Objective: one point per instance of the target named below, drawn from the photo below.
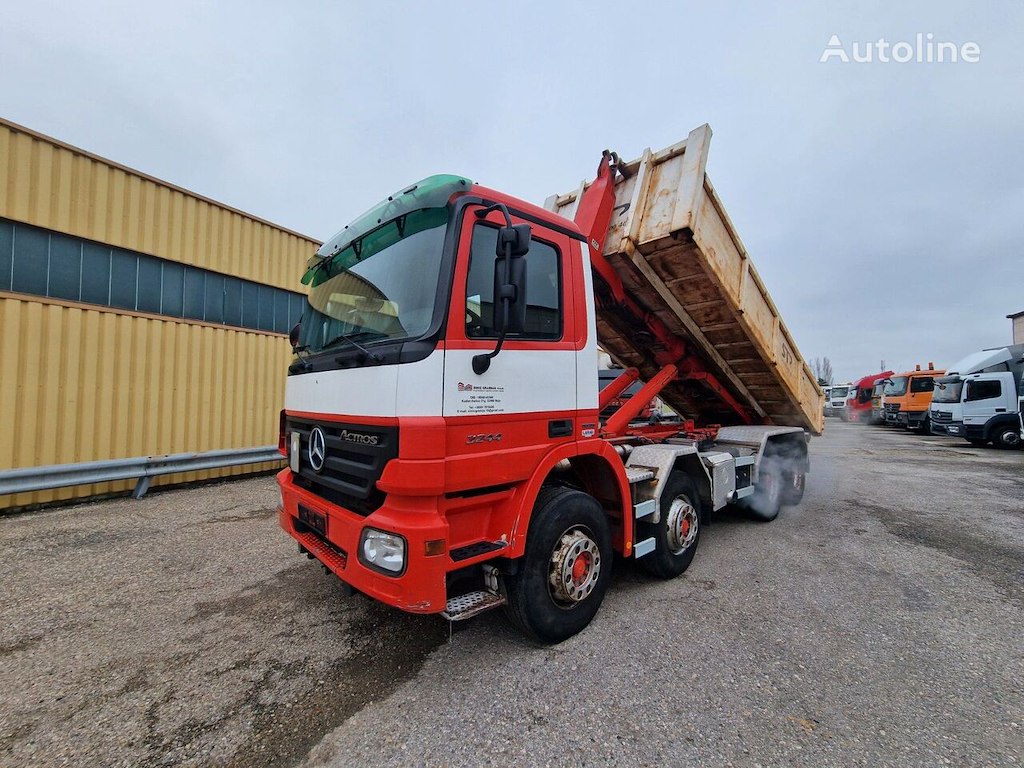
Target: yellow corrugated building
(136, 318)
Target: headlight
(295, 452)
(382, 551)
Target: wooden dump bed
(678, 255)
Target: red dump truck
(446, 452)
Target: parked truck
(442, 414)
(979, 398)
(908, 397)
(859, 402)
(836, 403)
(878, 401)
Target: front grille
(354, 460)
(892, 407)
(942, 417)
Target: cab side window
(983, 390)
(543, 288)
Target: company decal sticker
(588, 430)
(480, 398)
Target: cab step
(470, 604)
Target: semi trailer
(442, 422)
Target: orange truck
(908, 397)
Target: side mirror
(516, 235)
(293, 335)
(509, 307)
(514, 290)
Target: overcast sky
(883, 203)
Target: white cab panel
(409, 389)
(518, 381)
(586, 360)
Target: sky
(882, 202)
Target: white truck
(979, 398)
(835, 404)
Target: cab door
(983, 399)
(535, 372)
(527, 398)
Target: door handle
(560, 428)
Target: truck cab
(859, 401)
(836, 402)
(979, 398)
(878, 401)
(908, 398)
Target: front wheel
(564, 573)
(677, 533)
(1007, 438)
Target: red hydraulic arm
(618, 421)
(617, 387)
(593, 215)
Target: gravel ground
(879, 623)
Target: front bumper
(420, 588)
(911, 418)
(953, 428)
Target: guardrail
(142, 468)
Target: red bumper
(421, 586)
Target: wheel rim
(1010, 438)
(574, 568)
(682, 522)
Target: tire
(793, 485)
(677, 534)
(926, 427)
(552, 598)
(765, 502)
(1007, 438)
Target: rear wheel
(677, 533)
(565, 571)
(793, 484)
(766, 500)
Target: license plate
(314, 520)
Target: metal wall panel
(80, 383)
(53, 185)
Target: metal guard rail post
(144, 468)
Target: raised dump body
(679, 257)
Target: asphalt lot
(879, 623)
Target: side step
(470, 604)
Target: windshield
(379, 287)
(947, 391)
(838, 392)
(897, 386)
(878, 388)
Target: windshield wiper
(367, 354)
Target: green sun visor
(412, 209)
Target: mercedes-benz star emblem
(317, 449)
